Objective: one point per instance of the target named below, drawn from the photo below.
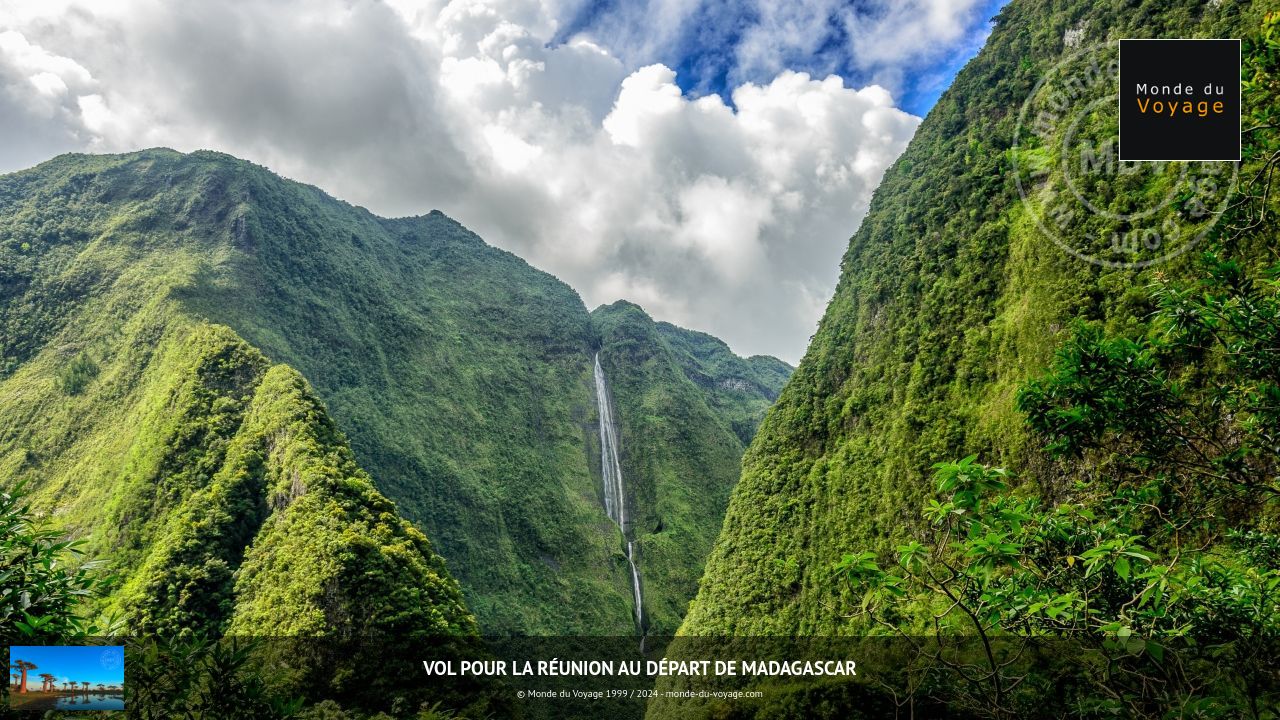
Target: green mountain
(684, 403)
(950, 298)
(739, 390)
(206, 370)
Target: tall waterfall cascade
(615, 496)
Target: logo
(1180, 100)
(1078, 191)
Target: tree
(23, 666)
(47, 683)
(1174, 442)
(198, 677)
(45, 580)
(1003, 571)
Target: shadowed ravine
(615, 497)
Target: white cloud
(39, 100)
(879, 35)
(899, 30)
(887, 41)
(903, 35)
(726, 219)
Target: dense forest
(949, 301)
(993, 439)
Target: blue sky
(95, 664)
(706, 159)
(706, 49)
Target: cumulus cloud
(906, 35)
(41, 101)
(723, 214)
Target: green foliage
(43, 578)
(949, 298)
(1141, 402)
(460, 376)
(1162, 560)
(1260, 145)
(287, 536)
(738, 389)
(77, 374)
(334, 554)
(682, 399)
(199, 679)
(1195, 406)
(1175, 621)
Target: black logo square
(1180, 100)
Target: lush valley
(158, 313)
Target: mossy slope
(949, 299)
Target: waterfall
(615, 497)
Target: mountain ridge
(459, 373)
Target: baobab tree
(22, 666)
(85, 685)
(100, 687)
(47, 685)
